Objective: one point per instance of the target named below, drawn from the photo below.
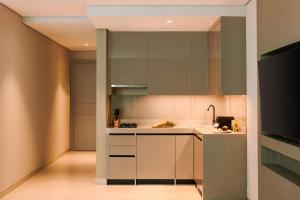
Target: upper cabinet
(227, 56)
(182, 63)
(199, 63)
(169, 63)
(128, 58)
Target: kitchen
(138, 99)
(164, 130)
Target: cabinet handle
(121, 156)
(121, 134)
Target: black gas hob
(128, 125)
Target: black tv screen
(279, 81)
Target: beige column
(101, 105)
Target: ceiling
(75, 33)
(153, 23)
(69, 23)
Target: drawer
(122, 140)
(122, 168)
(122, 150)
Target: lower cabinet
(224, 167)
(151, 159)
(184, 157)
(215, 162)
(155, 157)
(122, 159)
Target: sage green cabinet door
(169, 63)
(227, 56)
(128, 58)
(167, 76)
(233, 31)
(127, 45)
(128, 71)
(215, 60)
(199, 63)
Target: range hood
(129, 89)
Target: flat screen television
(279, 83)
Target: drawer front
(122, 150)
(122, 140)
(122, 168)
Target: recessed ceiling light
(86, 44)
(169, 21)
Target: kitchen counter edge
(187, 131)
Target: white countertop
(175, 130)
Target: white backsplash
(183, 109)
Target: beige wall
(34, 99)
(278, 24)
(83, 56)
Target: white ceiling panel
(127, 23)
(78, 7)
(75, 33)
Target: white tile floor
(72, 178)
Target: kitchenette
(215, 162)
(176, 109)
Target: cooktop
(128, 125)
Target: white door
(84, 106)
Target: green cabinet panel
(168, 76)
(169, 63)
(233, 32)
(199, 63)
(227, 56)
(128, 71)
(128, 58)
(128, 45)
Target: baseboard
(22, 180)
(101, 181)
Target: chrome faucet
(214, 112)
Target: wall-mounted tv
(279, 80)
